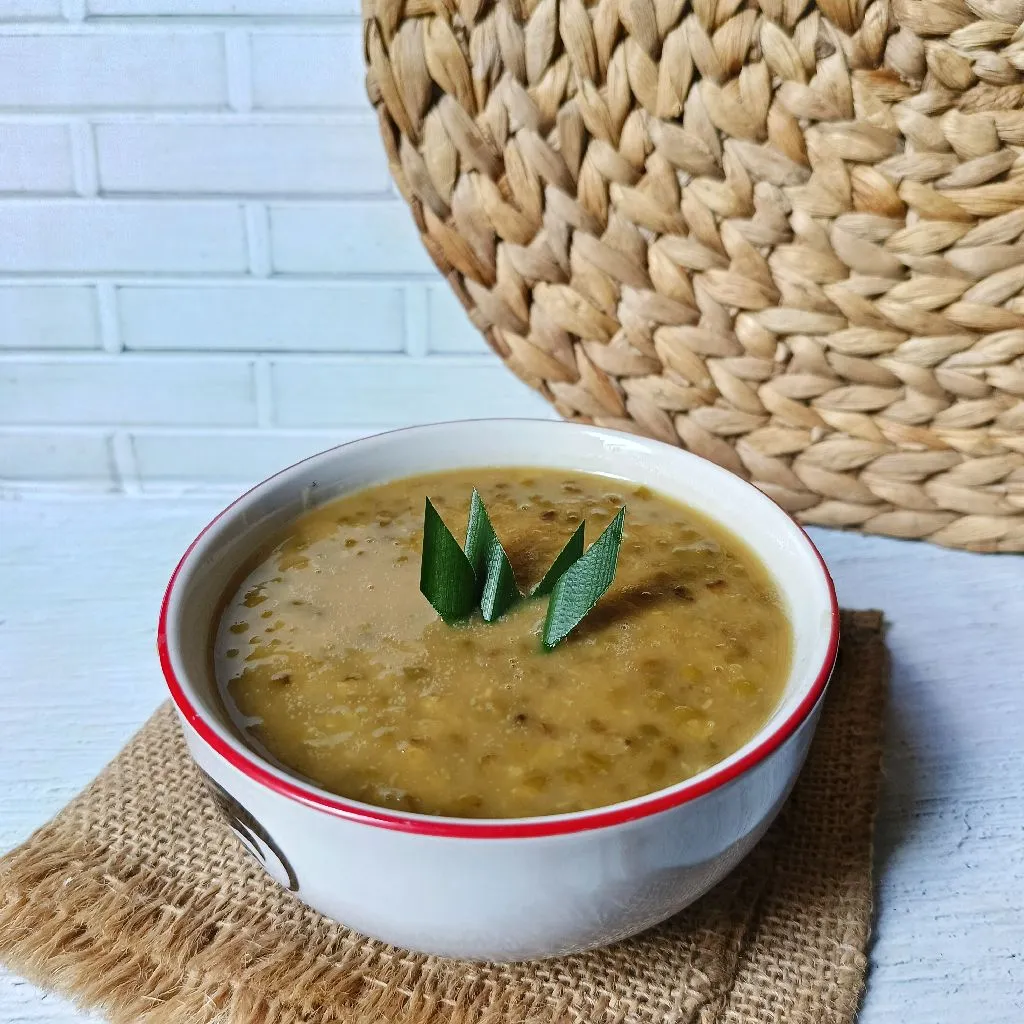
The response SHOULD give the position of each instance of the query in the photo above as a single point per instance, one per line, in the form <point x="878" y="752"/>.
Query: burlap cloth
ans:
<point x="138" y="902"/>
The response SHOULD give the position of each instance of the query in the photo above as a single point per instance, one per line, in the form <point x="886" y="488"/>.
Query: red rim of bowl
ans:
<point x="465" y="828"/>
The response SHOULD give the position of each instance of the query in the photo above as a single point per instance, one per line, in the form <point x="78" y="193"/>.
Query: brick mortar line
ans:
<point x="342" y="115"/>
<point x="70" y="24"/>
<point x="257" y="239"/>
<point x="238" y="68"/>
<point x="84" y="159"/>
<point x="91" y="27"/>
<point x="109" y="320"/>
<point x="156" y="430"/>
<point x="263" y="386"/>
<point x="126" y="466"/>
<point x="198" y="356"/>
<point x="69" y="489"/>
<point x="304" y="23"/>
<point x="35" y="194"/>
<point x="46" y="277"/>
<point x="172" y="277"/>
<point x="204" y="281"/>
<point x="232" y="199"/>
<point x="416" y="322"/>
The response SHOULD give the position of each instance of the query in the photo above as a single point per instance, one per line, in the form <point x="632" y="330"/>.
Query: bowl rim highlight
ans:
<point x="258" y="770"/>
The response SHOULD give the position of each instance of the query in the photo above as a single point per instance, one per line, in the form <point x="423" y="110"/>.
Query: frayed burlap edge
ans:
<point x="125" y="932"/>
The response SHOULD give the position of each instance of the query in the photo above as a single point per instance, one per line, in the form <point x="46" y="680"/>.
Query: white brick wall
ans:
<point x="140" y="391"/>
<point x="40" y="316"/>
<point x="36" y="158"/>
<point x="331" y="63"/>
<point x="135" y="69"/>
<point x="30" y="10"/>
<point x="355" y="237"/>
<point x="57" y="456"/>
<point x="268" y="316"/>
<point x="205" y="272"/>
<point x="228" y="157"/>
<point x="75" y="236"/>
<point x="241" y="8"/>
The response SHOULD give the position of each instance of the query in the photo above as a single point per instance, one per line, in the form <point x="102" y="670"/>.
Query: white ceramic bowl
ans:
<point x="499" y="889"/>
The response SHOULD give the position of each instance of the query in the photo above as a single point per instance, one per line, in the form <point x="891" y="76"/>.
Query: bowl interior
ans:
<point x="198" y="589"/>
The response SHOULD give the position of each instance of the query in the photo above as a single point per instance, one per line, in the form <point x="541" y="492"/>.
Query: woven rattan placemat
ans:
<point x="138" y="902"/>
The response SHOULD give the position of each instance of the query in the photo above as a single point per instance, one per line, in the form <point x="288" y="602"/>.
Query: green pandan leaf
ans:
<point x="447" y="579"/>
<point x="582" y="585"/>
<point x="496" y="589"/>
<point x="572" y="550"/>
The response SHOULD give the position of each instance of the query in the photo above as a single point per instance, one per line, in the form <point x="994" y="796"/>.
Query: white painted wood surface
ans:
<point x="80" y="581"/>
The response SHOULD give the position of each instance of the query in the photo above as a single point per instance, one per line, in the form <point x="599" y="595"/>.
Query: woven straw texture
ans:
<point x="786" y="235"/>
<point x="137" y="901"/>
